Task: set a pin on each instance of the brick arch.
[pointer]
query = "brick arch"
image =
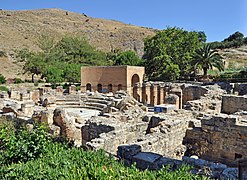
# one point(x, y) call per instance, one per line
point(88, 87)
point(135, 79)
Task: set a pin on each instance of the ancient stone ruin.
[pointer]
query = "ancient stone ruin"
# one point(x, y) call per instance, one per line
point(203, 125)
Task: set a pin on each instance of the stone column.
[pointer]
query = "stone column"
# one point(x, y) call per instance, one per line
point(178, 92)
point(154, 95)
point(148, 93)
point(161, 95)
point(144, 96)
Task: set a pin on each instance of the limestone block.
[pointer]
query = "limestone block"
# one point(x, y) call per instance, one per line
point(128, 151)
point(67, 125)
point(47, 117)
point(27, 109)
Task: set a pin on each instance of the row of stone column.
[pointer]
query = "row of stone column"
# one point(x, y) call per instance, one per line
point(152, 94)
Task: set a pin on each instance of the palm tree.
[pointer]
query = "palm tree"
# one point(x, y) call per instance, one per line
point(206, 58)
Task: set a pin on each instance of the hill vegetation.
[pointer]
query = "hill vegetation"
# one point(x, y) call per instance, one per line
point(53, 43)
point(23, 29)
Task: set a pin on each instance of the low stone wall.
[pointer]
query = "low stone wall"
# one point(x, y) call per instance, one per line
point(165, 135)
point(148, 160)
point(232, 104)
point(220, 138)
point(108, 133)
point(191, 93)
point(161, 133)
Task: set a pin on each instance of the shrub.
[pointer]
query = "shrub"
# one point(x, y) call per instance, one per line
point(2, 79)
point(18, 81)
point(4, 88)
point(2, 54)
point(36, 84)
point(22, 145)
point(31, 155)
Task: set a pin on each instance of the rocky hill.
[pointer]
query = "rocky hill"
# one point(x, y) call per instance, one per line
point(20, 29)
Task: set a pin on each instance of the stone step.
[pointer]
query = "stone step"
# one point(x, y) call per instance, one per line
point(98, 101)
point(95, 104)
point(93, 107)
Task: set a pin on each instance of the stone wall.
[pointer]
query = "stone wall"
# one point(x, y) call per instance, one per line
point(112, 78)
point(161, 134)
point(193, 93)
point(220, 138)
point(232, 104)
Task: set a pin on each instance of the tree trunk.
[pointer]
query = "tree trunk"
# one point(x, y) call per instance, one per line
point(33, 78)
point(205, 73)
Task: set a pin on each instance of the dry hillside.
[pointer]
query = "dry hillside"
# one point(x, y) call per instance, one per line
point(19, 29)
point(235, 57)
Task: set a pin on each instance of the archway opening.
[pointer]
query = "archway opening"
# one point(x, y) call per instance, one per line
point(88, 87)
point(109, 87)
point(119, 87)
point(99, 88)
point(135, 79)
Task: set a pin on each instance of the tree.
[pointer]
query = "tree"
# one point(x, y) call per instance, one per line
point(53, 75)
point(68, 50)
point(78, 50)
point(72, 73)
point(206, 58)
point(35, 64)
point(169, 51)
point(128, 58)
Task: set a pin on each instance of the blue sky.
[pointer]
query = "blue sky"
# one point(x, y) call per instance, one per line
point(217, 18)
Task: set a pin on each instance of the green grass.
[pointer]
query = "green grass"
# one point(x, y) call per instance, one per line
point(61, 161)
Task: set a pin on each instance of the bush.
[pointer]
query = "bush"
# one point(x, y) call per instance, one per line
point(22, 145)
point(31, 155)
point(2, 79)
point(2, 54)
point(18, 81)
point(4, 88)
point(36, 84)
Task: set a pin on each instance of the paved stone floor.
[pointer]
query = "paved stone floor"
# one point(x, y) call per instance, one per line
point(83, 112)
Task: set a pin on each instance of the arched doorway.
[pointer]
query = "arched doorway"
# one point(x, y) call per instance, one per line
point(134, 80)
point(99, 88)
point(109, 87)
point(88, 87)
point(119, 87)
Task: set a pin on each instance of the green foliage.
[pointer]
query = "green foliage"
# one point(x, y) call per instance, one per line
point(2, 79)
point(237, 39)
point(18, 81)
point(128, 58)
point(22, 145)
point(232, 75)
point(3, 88)
point(36, 83)
point(205, 58)
point(3, 54)
point(69, 50)
point(171, 49)
point(53, 75)
point(78, 50)
point(72, 73)
point(31, 155)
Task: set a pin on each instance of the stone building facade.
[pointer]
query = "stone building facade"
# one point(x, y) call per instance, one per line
point(131, 79)
point(111, 78)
